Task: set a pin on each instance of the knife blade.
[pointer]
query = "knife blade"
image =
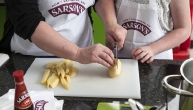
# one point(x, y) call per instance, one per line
point(116, 49)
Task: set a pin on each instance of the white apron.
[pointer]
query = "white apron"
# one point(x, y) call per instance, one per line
point(141, 22)
point(69, 18)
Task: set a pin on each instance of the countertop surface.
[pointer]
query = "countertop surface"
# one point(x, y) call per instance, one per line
point(151, 75)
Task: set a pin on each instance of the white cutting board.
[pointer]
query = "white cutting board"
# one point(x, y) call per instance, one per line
point(92, 80)
point(3, 58)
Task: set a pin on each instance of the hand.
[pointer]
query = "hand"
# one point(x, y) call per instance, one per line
point(144, 54)
point(115, 32)
point(96, 54)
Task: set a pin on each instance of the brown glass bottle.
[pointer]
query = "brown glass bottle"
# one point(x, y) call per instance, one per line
point(22, 100)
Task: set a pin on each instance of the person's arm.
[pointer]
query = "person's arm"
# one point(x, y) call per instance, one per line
point(180, 11)
point(106, 11)
point(46, 38)
point(27, 26)
point(24, 16)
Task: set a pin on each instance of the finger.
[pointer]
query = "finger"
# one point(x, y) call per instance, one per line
point(150, 60)
point(141, 55)
point(110, 40)
point(104, 63)
point(104, 60)
point(122, 38)
point(133, 53)
point(145, 58)
point(119, 37)
point(120, 45)
point(108, 56)
point(108, 45)
point(138, 51)
point(118, 33)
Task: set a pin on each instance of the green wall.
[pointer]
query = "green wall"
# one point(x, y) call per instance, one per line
point(99, 36)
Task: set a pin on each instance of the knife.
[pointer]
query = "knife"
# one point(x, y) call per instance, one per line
point(116, 49)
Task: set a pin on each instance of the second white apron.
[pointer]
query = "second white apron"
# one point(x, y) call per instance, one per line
point(141, 22)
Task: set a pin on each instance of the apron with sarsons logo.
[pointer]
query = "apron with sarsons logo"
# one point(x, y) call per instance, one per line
point(68, 17)
point(142, 25)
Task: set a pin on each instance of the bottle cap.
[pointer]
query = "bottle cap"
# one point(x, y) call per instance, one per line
point(18, 75)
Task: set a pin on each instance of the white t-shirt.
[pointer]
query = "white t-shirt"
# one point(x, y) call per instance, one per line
point(164, 14)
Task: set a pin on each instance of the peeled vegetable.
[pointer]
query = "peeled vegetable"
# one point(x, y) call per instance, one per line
point(116, 69)
point(53, 81)
point(46, 76)
point(61, 72)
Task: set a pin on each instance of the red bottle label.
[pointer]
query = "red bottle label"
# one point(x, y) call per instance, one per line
point(22, 98)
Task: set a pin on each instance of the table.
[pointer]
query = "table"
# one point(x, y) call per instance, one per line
point(151, 75)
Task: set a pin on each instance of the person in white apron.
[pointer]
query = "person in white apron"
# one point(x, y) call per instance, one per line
point(66, 32)
point(145, 39)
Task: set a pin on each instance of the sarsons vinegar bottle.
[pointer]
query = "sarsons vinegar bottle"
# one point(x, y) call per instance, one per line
point(22, 100)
